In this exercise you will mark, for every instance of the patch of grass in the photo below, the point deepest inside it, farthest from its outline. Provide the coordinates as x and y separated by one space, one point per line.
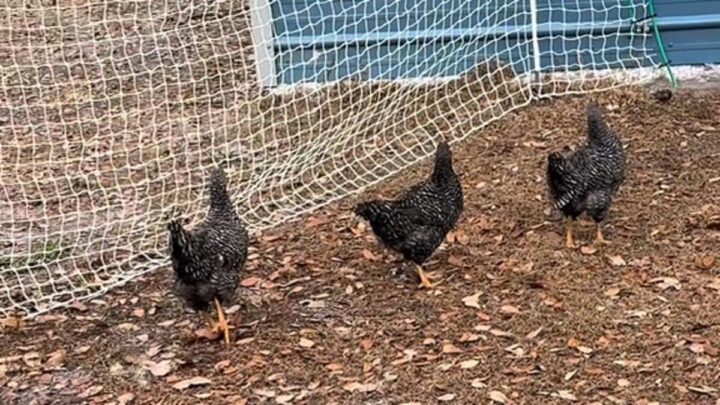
49 252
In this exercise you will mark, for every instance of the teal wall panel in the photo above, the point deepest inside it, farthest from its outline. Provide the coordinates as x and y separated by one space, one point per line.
326 40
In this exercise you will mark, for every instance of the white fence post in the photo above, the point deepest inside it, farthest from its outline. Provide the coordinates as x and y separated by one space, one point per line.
535 41
263 42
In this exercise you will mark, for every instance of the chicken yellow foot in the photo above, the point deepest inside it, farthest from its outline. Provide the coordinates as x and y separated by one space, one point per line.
424 281
569 242
599 236
222 325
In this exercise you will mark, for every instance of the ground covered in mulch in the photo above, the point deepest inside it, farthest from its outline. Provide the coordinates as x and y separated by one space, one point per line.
325 315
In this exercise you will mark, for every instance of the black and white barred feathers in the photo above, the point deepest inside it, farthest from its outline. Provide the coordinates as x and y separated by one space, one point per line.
588 179
207 260
416 223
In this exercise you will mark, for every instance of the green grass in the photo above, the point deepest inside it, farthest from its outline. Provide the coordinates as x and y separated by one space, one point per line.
49 252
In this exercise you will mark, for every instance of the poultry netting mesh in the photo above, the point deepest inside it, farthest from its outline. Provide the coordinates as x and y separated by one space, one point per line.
112 112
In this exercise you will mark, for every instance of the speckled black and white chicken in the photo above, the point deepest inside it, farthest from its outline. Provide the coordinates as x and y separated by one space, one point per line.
588 179
207 260
416 223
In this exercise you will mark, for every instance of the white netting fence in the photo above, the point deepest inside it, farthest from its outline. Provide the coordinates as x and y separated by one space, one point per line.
111 112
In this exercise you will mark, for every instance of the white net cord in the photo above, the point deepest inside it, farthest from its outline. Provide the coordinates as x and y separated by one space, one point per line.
112 113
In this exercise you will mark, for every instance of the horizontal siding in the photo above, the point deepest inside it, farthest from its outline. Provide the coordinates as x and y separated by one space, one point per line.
396 61
690 30
315 19
323 40
382 39
349 18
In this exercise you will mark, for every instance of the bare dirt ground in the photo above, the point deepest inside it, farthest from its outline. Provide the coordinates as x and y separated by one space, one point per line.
326 316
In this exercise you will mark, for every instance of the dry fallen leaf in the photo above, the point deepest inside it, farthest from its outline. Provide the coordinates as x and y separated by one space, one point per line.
366 344
469 337
703 390
139 312
584 349
153 351
307 343
697 348
12 322
91 392
126 398
31 359
516 350
509 309
314 222
265 393
221 365
705 262
623 383
710 350
390 376
462 237
207 333
500 333
245 341
467 364
79 306
498 396
483 316
450 237
284 399
370 256
250 281
532 335
455 261
191 382
666 282
160 369
446 397
617 260
472 300
565 394
588 250
611 292
56 358
358 387
116 368
82 349
594 371
450 348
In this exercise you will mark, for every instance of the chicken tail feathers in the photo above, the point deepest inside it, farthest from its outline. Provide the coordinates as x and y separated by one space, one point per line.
556 174
219 197
180 247
597 128
443 162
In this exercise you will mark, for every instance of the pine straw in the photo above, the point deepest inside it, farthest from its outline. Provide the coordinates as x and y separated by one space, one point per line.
634 321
